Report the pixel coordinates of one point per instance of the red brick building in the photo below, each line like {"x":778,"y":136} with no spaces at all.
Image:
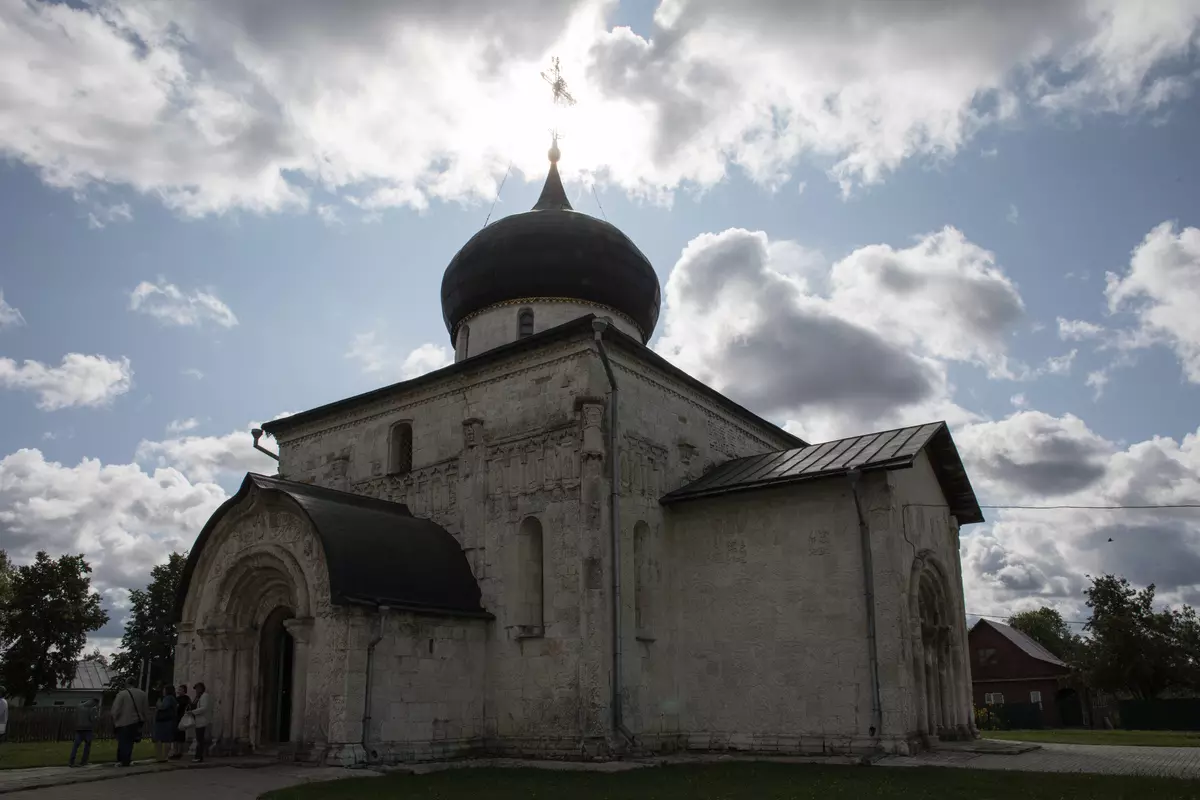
{"x":1008,"y":667}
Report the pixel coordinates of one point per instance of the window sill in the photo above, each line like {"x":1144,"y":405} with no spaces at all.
{"x":530,"y":631}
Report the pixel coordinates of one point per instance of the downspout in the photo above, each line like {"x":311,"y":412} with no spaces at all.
{"x":864,"y":533}
{"x":366,"y":720}
{"x":599,"y":326}
{"x":257,"y":434}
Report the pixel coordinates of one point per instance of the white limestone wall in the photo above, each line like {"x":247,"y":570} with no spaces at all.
{"x":490,"y":449}
{"x":764,"y":641}
{"x":499,"y":324}
{"x":920,"y":525}
{"x":670,"y":435}
{"x":527,"y":438}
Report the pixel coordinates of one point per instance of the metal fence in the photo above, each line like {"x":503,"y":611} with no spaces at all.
{"x":50,"y":724}
{"x":1011,"y":716}
{"x":1177,"y":714}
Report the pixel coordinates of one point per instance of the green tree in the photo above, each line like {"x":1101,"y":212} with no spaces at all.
{"x":96,"y":656}
{"x":1135,"y":649}
{"x":1046,"y":627}
{"x":50,"y":612}
{"x":149,"y":636}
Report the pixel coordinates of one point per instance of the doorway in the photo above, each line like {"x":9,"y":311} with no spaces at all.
{"x":276,"y":649}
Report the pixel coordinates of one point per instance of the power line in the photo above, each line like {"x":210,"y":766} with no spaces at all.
{"x":598,"y":201}
{"x":498,"y":191}
{"x":1147,"y":506}
{"x":1100,"y":508}
{"x":1006,"y":616}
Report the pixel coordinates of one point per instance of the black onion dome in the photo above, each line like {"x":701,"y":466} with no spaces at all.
{"x":552,"y":251}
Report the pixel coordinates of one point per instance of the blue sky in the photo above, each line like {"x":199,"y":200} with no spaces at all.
{"x":1060,"y":189}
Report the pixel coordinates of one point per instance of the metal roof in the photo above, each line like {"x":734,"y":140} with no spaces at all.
{"x":90,"y":676}
{"x":895,"y":449}
{"x":376,"y":551}
{"x":1024,"y":641}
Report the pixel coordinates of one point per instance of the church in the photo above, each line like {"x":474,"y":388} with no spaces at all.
{"x":563,"y":546}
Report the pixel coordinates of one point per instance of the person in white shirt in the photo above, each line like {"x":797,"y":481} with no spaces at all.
{"x":3,"y":714}
{"x":201,"y":711}
{"x":130,"y":710}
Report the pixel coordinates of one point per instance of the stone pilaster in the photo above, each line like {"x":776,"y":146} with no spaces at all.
{"x":301,"y":633}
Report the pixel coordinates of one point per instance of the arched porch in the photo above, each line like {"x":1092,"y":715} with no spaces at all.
{"x":941,"y":682}
{"x":247,"y":626}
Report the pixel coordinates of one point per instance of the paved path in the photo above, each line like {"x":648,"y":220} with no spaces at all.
{"x":1182,"y":762}
{"x":209,"y":783}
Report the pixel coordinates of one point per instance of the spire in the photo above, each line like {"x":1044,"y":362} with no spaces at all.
{"x":553,"y":196}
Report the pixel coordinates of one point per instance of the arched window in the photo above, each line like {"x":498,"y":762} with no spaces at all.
{"x":525,"y":323}
{"x":644,"y":579}
{"x":400,"y":449}
{"x":529,"y":618}
{"x":460,"y":347}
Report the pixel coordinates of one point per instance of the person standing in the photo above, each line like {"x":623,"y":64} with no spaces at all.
{"x":201,"y":713}
{"x":165,"y":724}
{"x":85,"y":725}
{"x":182,"y":704}
{"x":129,"y":712}
{"x":3,"y":714}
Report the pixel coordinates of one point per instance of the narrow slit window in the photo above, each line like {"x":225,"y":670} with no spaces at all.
{"x":530,"y":556}
{"x":525,"y":323}
{"x":400,"y":449}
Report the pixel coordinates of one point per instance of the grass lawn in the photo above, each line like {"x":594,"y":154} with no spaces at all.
{"x":743,"y":781}
{"x":55,"y":754}
{"x":1084,"y":736}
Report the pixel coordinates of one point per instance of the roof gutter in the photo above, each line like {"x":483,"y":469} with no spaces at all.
{"x":600,"y":327}
{"x":366,"y":720}
{"x":868,"y":565}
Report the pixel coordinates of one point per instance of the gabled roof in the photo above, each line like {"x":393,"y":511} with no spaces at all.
{"x":376,"y":551}
{"x":895,"y":449}
{"x":1022,"y":640}
{"x":581,"y":326}
{"x":90,"y":676}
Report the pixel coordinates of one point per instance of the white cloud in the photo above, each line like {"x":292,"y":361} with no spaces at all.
{"x":426,"y":358}
{"x":1018,"y":400}
{"x":1013,"y":215}
{"x":168,"y":303}
{"x":205,"y":459}
{"x":1075,"y":330}
{"x":866,"y":341}
{"x":1024,"y":558}
{"x":192,"y":372}
{"x":1162,"y":289}
{"x":182,"y":425}
{"x":103,"y":216}
{"x":372,"y":356}
{"x":81,"y":380}
{"x":1097,"y":380}
{"x":125,"y":520}
{"x":330,"y":215}
{"x":376,"y":358}
{"x":210,"y":107}
{"x":10,"y":317}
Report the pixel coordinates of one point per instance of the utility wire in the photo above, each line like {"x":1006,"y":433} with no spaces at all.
{"x":1006,"y":616}
{"x":1102,"y":508}
{"x":1071,"y":507}
{"x":598,"y":201}
{"x":498,"y":191}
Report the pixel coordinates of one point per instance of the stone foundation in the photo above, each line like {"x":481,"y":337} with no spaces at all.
{"x":597,"y":749}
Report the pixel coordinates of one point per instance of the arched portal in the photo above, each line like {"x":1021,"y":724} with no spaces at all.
{"x":276,"y":661}
{"x":939,"y":674}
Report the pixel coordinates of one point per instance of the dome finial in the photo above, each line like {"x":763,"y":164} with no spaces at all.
{"x":553,"y":196}
{"x":554,"y":153}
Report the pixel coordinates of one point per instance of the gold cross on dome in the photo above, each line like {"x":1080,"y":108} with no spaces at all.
{"x":558,"y":84}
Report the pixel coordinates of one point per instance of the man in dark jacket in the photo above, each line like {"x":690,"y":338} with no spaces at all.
{"x":85,"y":724}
